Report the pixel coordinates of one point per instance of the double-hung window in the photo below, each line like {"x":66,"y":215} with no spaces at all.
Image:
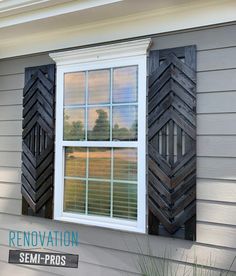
{"x":100,"y":176}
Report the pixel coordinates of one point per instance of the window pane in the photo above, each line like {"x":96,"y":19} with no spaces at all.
{"x":100,"y":163}
{"x":125,"y":84}
{"x":74,"y":124}
{"x":124,"y":123}
{"x":125,"y":164}
{"x":74,"y":196}
{"x":98,"y":124}
{"x":75,"y":161}
{"x":125,"y":200}
{"x":74,"y":88}
{"x":99,"y":86}
{"x":99,"y":198}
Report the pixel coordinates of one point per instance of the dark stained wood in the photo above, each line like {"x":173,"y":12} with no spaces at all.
{"x":38,"y":141}
{"x":172,"y":122}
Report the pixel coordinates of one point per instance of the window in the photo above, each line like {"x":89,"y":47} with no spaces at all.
{"x":100,"y":136}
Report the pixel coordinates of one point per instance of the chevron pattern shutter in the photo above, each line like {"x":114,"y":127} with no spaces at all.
{"x":38,"y":141}
{"x":172,"y":142}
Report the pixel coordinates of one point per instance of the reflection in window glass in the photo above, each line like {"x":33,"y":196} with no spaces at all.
{"x":74,"y":88}
{"x":124,"y":123}
{"x":75,"y":161}
{"x":98,"y":124}
{"x":98,"y":180}
{"x":125,"y":84}
{"x":99,"y":198}
{"x":125,"y":200}
{"x":74,"y":195}
{"x":74,"y":124}
{"x":105,"y":179}
{"x":100,"y":163}
{"x":99,"y":87}
{"x":125,"y":164}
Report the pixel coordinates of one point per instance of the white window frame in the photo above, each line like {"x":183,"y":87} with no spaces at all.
{"x":101,"y":57}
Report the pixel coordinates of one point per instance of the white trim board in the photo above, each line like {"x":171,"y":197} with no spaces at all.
{"x":101,"y":53}
{"x":109,"y":56}
{"x":140,"y":24}
{"x":21,"y":11}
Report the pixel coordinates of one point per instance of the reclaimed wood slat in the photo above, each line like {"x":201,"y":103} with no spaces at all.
{"x":172,"y":122}
{"x":38,"y":142}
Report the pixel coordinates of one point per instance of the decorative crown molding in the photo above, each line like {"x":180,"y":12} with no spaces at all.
{"x":100,"y":53}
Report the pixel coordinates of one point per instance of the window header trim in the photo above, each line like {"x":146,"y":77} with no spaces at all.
{"x":101,"y":53}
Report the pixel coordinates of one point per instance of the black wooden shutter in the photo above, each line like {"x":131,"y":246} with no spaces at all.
{"x":172,"y":142}
{"x":38,"y":141}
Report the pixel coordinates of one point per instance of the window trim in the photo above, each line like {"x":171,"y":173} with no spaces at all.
{"x":110,"y":56}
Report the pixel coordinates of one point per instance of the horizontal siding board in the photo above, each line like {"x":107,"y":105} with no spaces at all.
{"x":216,"y":146}
{"x":18,"y":65}
{"x":205,"y":39}
{"x":10,"y":206}
{"x":216,"y":59}
{"x":10,"y":190}
{"x":121,"y":241}
{"x":220,"y":102}
{"x":10,"y":128}
{"x":13,"y":112}
{"x":222,"y":189}
{"x":216,"y":124}
{"x":10,"y":175}
{"x":217,"y":190}
{"x":216,"y":168}
{"x":10,"y":143}
{"x":11,"y":97}
{"x":22,"y":270}
{"x":12,"y":82}
{"x":10,"y":159}
{"x":84,"y":269}
{"x":216,"y":212}
{"x":211,"y":81}
{"x":216,"y":234}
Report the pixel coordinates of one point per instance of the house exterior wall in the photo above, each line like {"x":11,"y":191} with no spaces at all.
{"x":109,"y":252}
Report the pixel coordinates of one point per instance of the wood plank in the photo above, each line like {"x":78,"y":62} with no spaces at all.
{"x":216,"y":146}
{"x":18,"y":65}
{"x":204,"y":39}
{"x":12,"y":175}
{"x":216,"y":168}
{"x":12,"y":82}
{"x":216,"y":212}
{"x":10,"y":128}
{"x":216,"y":124}
{"x":216,"y":234}
{"x":38,"y":114}
{"x":10,"y":206}
{"x":10,"y":159}
{"x":10,"y":143}
{"x":218,"y":190}
{"x":167,"y":216}
{"x":122,"y":242}
{"x":179,"y":142}
{"x":216,"y":81}
{"x":219,"y":102}
{"x":86,"y":267}
{"x":13,"y":112}
{"x":10,"y":190}
{"x":216,"y":59}
{"x":11,"y":97}
{"x":10,"y":269}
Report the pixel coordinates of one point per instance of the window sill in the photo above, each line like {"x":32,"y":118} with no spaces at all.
{"x":104,"y":222}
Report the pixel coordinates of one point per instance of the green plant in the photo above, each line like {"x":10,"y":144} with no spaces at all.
{"x":148,"y":265}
